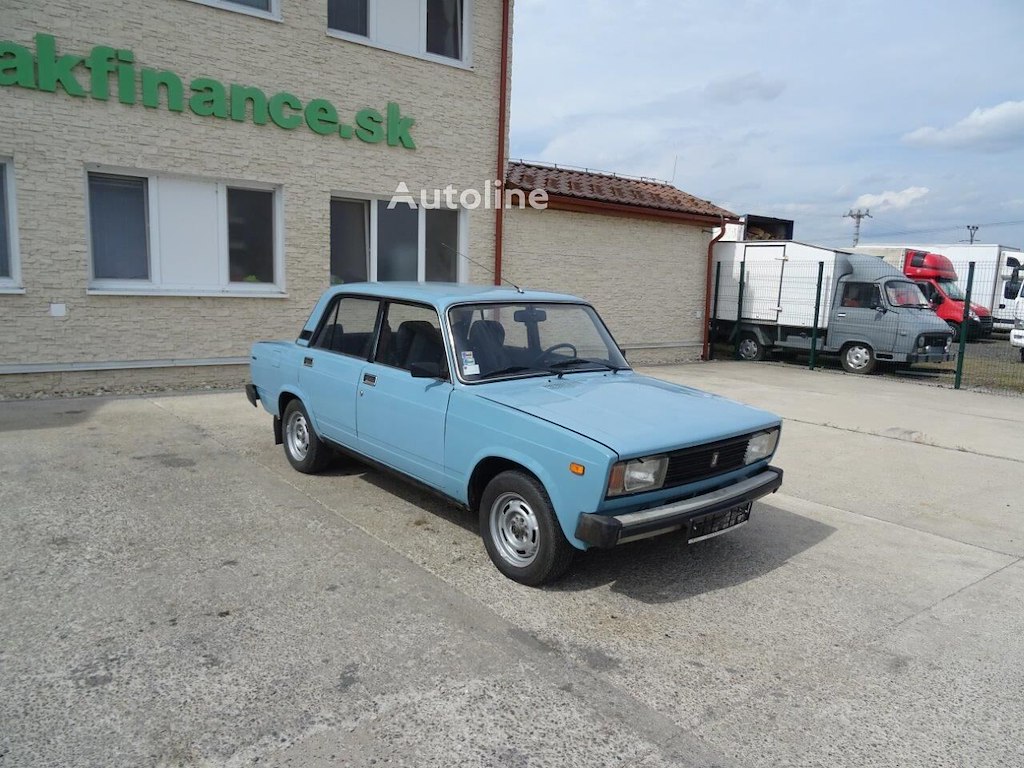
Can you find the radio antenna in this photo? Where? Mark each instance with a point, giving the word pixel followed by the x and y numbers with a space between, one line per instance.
pixel 482 266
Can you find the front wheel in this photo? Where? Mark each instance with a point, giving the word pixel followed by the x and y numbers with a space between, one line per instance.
pixel 520 530
pixel 1022 355
pixel 858 358
pixel 304 449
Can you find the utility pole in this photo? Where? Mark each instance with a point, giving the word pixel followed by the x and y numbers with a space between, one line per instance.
pixel 857 216
pixel 973 229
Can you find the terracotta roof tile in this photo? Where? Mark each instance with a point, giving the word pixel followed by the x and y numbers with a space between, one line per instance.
pixel 608 188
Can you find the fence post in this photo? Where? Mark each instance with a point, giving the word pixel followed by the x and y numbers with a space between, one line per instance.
pixel 714 312
pixel 739 310
pixel 964 325
pixel 817 308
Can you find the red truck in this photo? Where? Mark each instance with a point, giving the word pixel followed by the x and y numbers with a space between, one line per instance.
pixel 937 278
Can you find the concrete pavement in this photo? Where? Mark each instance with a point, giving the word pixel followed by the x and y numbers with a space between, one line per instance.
pixel 172 593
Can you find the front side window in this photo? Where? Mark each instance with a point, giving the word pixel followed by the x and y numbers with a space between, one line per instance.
pixel 350 16
pixel 348 327
pixel 495 341
pixel 119 223
pixel 862 295
pixel 410 335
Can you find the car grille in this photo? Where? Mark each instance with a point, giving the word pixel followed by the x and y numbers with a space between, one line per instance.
pixel 986 324
pixel 934 340
pixel 704 461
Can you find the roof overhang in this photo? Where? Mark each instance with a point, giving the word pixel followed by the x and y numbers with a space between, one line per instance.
pixel 581 205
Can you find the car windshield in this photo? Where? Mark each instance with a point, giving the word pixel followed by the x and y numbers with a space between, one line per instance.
pixel 903 293
pixel 952 289
pixel 495 341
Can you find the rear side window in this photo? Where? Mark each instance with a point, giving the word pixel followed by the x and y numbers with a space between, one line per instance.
pixel 348 327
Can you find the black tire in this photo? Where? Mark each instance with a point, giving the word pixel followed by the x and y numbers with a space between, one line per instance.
pixel 520 531
pixel 750 348
pixel 297 431
pixel 858 357
pixel 1022 355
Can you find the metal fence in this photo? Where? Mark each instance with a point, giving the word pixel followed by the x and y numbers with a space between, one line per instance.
pixel 787 311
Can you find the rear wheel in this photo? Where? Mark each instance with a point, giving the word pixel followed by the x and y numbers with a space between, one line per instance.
pixel 520 530
pixel 858 358
pixel 751 349
pixel 304 449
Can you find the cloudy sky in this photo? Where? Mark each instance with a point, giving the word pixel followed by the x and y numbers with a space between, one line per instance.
pixel 789 108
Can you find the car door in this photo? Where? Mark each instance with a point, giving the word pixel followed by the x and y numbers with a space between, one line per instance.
pixel 333 363
pixel 401 418
pixel 861 315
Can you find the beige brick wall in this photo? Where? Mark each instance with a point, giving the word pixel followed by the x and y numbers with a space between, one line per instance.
pixel 645 277
pixel 53 136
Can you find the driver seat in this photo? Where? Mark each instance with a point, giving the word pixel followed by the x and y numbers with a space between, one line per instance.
pixel 487 341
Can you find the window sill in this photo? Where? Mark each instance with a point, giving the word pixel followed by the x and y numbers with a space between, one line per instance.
pixel 226 5
pixel 431 57
pixel 12 290
pixel 226 294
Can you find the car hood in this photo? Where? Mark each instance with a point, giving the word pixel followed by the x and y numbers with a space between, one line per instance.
pixel 633 415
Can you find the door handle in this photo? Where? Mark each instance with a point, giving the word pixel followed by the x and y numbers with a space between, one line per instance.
pixel 308 362
pixel 369 380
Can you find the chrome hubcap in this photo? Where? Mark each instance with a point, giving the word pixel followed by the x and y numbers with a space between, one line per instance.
pixel 858 357
pixel 748 349
pixel 514 530
pixel 297 436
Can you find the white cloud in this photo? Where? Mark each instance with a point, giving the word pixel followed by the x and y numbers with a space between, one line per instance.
pixel 888 200
pixel 996 128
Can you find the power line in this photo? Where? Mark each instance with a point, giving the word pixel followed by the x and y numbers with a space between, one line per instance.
pixel 945 229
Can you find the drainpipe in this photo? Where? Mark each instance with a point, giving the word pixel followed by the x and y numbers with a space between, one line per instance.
pixel 707 292
pixel 499 208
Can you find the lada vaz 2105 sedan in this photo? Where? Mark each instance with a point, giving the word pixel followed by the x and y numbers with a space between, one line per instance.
pixel 520 406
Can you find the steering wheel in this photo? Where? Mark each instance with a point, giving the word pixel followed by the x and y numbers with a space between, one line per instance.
pixel 543 355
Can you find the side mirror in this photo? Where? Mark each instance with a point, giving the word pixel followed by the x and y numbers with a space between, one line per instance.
pixel 622 352
pixel 426 371
pixel 880 308
pixel 937 299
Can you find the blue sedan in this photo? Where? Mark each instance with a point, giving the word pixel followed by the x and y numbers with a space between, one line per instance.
pixel 520 406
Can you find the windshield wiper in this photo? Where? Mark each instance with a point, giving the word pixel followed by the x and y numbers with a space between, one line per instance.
pixel 513 369
pixel 584 361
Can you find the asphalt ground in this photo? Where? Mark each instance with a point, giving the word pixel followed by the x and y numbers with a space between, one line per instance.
pixel 172 593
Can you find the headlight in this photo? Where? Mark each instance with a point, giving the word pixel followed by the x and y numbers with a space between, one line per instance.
pixel 974 315
pixel 1018 325
pixel 638 475
pixel 761 446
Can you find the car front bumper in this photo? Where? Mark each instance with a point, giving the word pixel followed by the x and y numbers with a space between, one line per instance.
pixel 1017 338
pixel 931 355
pixel 608 530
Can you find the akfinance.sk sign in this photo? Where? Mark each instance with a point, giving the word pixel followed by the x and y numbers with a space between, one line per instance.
pixel 91 75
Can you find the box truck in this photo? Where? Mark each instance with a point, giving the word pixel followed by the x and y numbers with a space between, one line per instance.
pixel 868 312
pixel 998 272
pixel 937 279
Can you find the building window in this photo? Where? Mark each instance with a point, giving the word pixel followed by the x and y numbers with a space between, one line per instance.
pixel 438 30
pixel 350 241
pixel 9 277
pixel 267 9
pixel 370 241
pixel 119 222
pixel 444 28
pixel 350 16
pixel 164 234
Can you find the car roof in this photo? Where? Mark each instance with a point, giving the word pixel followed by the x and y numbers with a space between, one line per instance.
pixel 444 295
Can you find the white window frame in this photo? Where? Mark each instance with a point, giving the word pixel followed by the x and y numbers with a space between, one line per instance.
pixel 227 5
pixel 461 264
pixel 13 283
pixel 375 7
pixel 152 287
